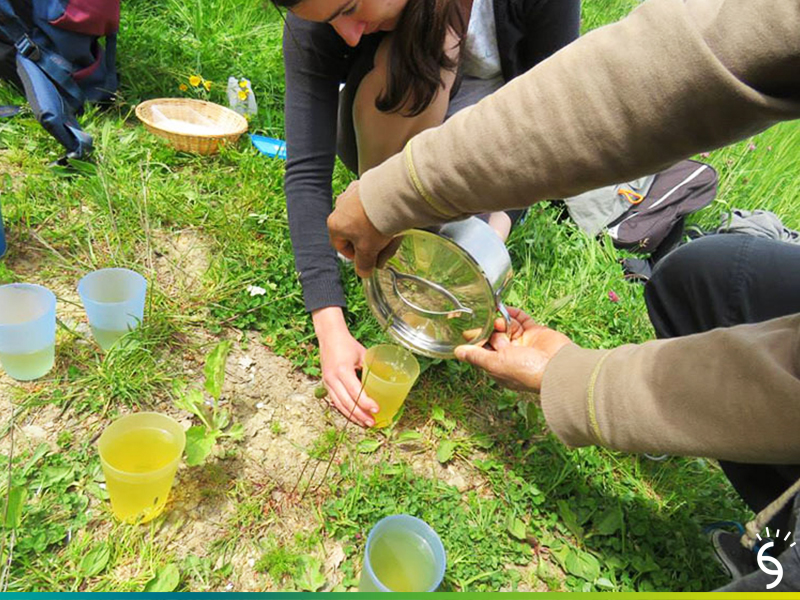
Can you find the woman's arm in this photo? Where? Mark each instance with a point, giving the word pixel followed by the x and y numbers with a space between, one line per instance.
pixel 314 62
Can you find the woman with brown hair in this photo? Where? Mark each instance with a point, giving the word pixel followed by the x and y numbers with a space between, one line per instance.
pixel 406 65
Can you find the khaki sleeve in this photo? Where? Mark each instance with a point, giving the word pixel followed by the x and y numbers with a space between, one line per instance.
pixel 730 393
pixel 672 79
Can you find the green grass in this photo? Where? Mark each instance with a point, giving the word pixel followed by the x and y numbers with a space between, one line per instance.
pixel 514 507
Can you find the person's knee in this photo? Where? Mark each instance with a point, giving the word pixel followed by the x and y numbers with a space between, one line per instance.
pixel 707 260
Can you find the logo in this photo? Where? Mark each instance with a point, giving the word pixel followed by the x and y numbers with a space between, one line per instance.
pixel 761 558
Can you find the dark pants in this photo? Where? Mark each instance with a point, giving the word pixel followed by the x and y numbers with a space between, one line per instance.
pixel 721 281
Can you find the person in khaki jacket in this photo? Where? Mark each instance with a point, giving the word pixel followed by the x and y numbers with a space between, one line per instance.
pixel 674 78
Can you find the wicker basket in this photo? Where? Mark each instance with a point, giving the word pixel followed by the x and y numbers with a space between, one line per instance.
pixel 191 125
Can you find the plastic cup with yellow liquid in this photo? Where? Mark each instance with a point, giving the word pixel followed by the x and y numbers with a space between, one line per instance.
pixel 27 330
pixel 114 303
pixel 140 455
pixel 388 374
pixel 403 554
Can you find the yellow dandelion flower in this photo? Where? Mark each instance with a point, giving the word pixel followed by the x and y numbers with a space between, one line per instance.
pixel 243 84
pixel 242 94
pixel 195 80
pixel 207 85
pixel 183 87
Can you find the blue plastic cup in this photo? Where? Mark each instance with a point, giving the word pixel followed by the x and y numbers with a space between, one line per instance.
pixel 403 554
pixel 27 330
pixel 114 303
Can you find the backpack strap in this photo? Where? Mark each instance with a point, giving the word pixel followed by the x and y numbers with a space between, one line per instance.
pixel 44 76
pixel 48 107
pixel 54 65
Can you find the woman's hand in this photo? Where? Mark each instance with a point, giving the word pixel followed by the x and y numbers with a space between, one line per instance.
pixel 340 355
pixel 517 360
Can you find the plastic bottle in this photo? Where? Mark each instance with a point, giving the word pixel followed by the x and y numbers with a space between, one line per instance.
pixel 241 97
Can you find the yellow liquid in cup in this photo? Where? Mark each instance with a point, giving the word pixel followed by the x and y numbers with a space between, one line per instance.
pixel 403 562
pixel 140 451
pixel 388 386
pixel 26 367
pixel 106 338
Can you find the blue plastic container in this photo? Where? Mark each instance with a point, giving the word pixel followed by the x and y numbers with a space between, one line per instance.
pixel 412 540
pixel 2 236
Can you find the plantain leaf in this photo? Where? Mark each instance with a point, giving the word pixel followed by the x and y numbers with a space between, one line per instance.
pixel 166 580
pixel 610 521
pixel 368 446
pixel 582 564
pixel 215 368
pixel 445 451
pixel 516 528
pixel 199 444
pixel 16 501
pixel 94 561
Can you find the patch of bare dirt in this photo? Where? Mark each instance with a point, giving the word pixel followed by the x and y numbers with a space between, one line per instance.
pixel 181 260
pixel 282 420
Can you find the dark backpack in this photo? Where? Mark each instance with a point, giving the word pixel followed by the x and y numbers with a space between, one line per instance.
pixel 654 224
pixel 52 49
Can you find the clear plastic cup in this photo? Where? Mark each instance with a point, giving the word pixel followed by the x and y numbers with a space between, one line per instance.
pixel 403 554
pixel 140 455
pixel 388 375
pixel 27 330
pixel 114 303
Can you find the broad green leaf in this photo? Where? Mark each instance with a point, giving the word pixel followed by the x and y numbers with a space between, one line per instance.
pixel 83 167
pixel 408 436
pixel 166 580
pixel 191 401
pixel 610 521
pixel 516 528
pixel 508 398
pixel 582 564
pixel 215 368
pixel 311 577
pixel 52 475
pixel 40 451
pixel 570 519
pixel 199 444
pixel 559 550
pixel 368 446
pixel 604 583
pixel 16 501
pixel 94 561
pixel 437 414
pixel 445 451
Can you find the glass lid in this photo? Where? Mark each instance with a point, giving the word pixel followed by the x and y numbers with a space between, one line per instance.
pixel 433 295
